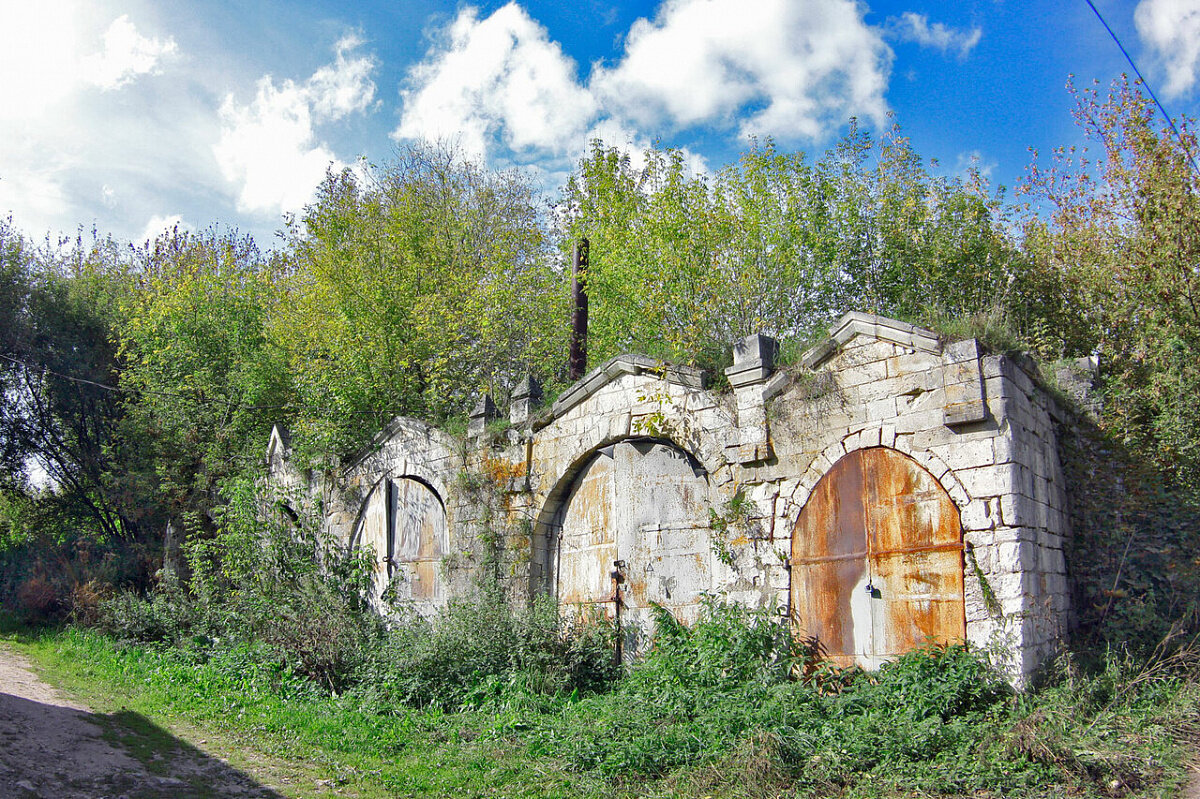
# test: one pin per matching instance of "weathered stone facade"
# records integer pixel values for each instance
(944, 517)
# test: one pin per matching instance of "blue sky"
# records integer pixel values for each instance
(130, 115)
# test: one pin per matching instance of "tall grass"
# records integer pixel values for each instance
(271, 624)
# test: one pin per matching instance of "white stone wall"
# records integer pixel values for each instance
(1001, 470)
(976, 422)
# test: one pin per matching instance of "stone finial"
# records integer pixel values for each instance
(753, 360)
(279, 445)
(525, 398)
(963, 383)
(484, 412)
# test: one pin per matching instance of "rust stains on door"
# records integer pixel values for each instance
(419, 542)
(404, 524)
(877, 560)
(587, 542)
(643, 504)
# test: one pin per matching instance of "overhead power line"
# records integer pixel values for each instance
(1145, 83)
(173, 394)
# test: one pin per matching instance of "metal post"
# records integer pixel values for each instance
(618, 577)
(579, 310)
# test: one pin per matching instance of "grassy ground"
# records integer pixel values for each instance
(1122, 731)
(303, 746)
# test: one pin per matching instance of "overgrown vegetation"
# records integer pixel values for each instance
(733, 705)
(729, 707)
(137, 386)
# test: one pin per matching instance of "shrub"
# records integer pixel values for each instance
(272, 584)
(480, 649)
(85, 602)
(729, 689)
(39, 601)
(165, 615)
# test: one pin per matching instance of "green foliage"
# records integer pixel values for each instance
(204, 382)
(683, 264)
(272, 583)
(54, 562)
(260, 580)
(723, 698)
(166, 616)
(1123, 240)
(715, 710)
(1132, 554)
(730, 524)
(415, 288)
(480, 651)
(693, 697)
(57, 418)
(1113, 266)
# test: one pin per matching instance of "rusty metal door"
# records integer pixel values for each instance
(587, 541)
(419, 541)
(404, 523)
(877, 560)
(663, 531)
(644, 504)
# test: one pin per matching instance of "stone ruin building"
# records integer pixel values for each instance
(889, 489)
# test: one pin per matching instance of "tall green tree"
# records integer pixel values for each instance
(684, 264)
(58, 369)
(1123, 240)
(416, 286)
(202, 380)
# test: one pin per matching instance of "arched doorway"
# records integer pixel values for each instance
(404, 523)
(633, 526)
(877, 565)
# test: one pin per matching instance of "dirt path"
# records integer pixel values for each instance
(53, 748)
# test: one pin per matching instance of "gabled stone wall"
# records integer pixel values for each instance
(639, 485)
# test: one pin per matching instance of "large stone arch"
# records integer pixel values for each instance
(403, 520)
(874, 437)
(637, 507)
(877, 559)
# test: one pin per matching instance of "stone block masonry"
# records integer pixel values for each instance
(886, 491)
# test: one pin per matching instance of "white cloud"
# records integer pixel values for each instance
(345, 86)
(160, 224)
(59, 133)
(496, 80)
(126, 55)
(32, 188)
(785, 68)
(41, 47)
(269, 148)
(913, 27)
(621, 137)
(973, 160)
(38, 45)
(1171, 28)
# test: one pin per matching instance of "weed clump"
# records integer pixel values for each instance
(481, 651)
(728, 693)
(271, 588)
